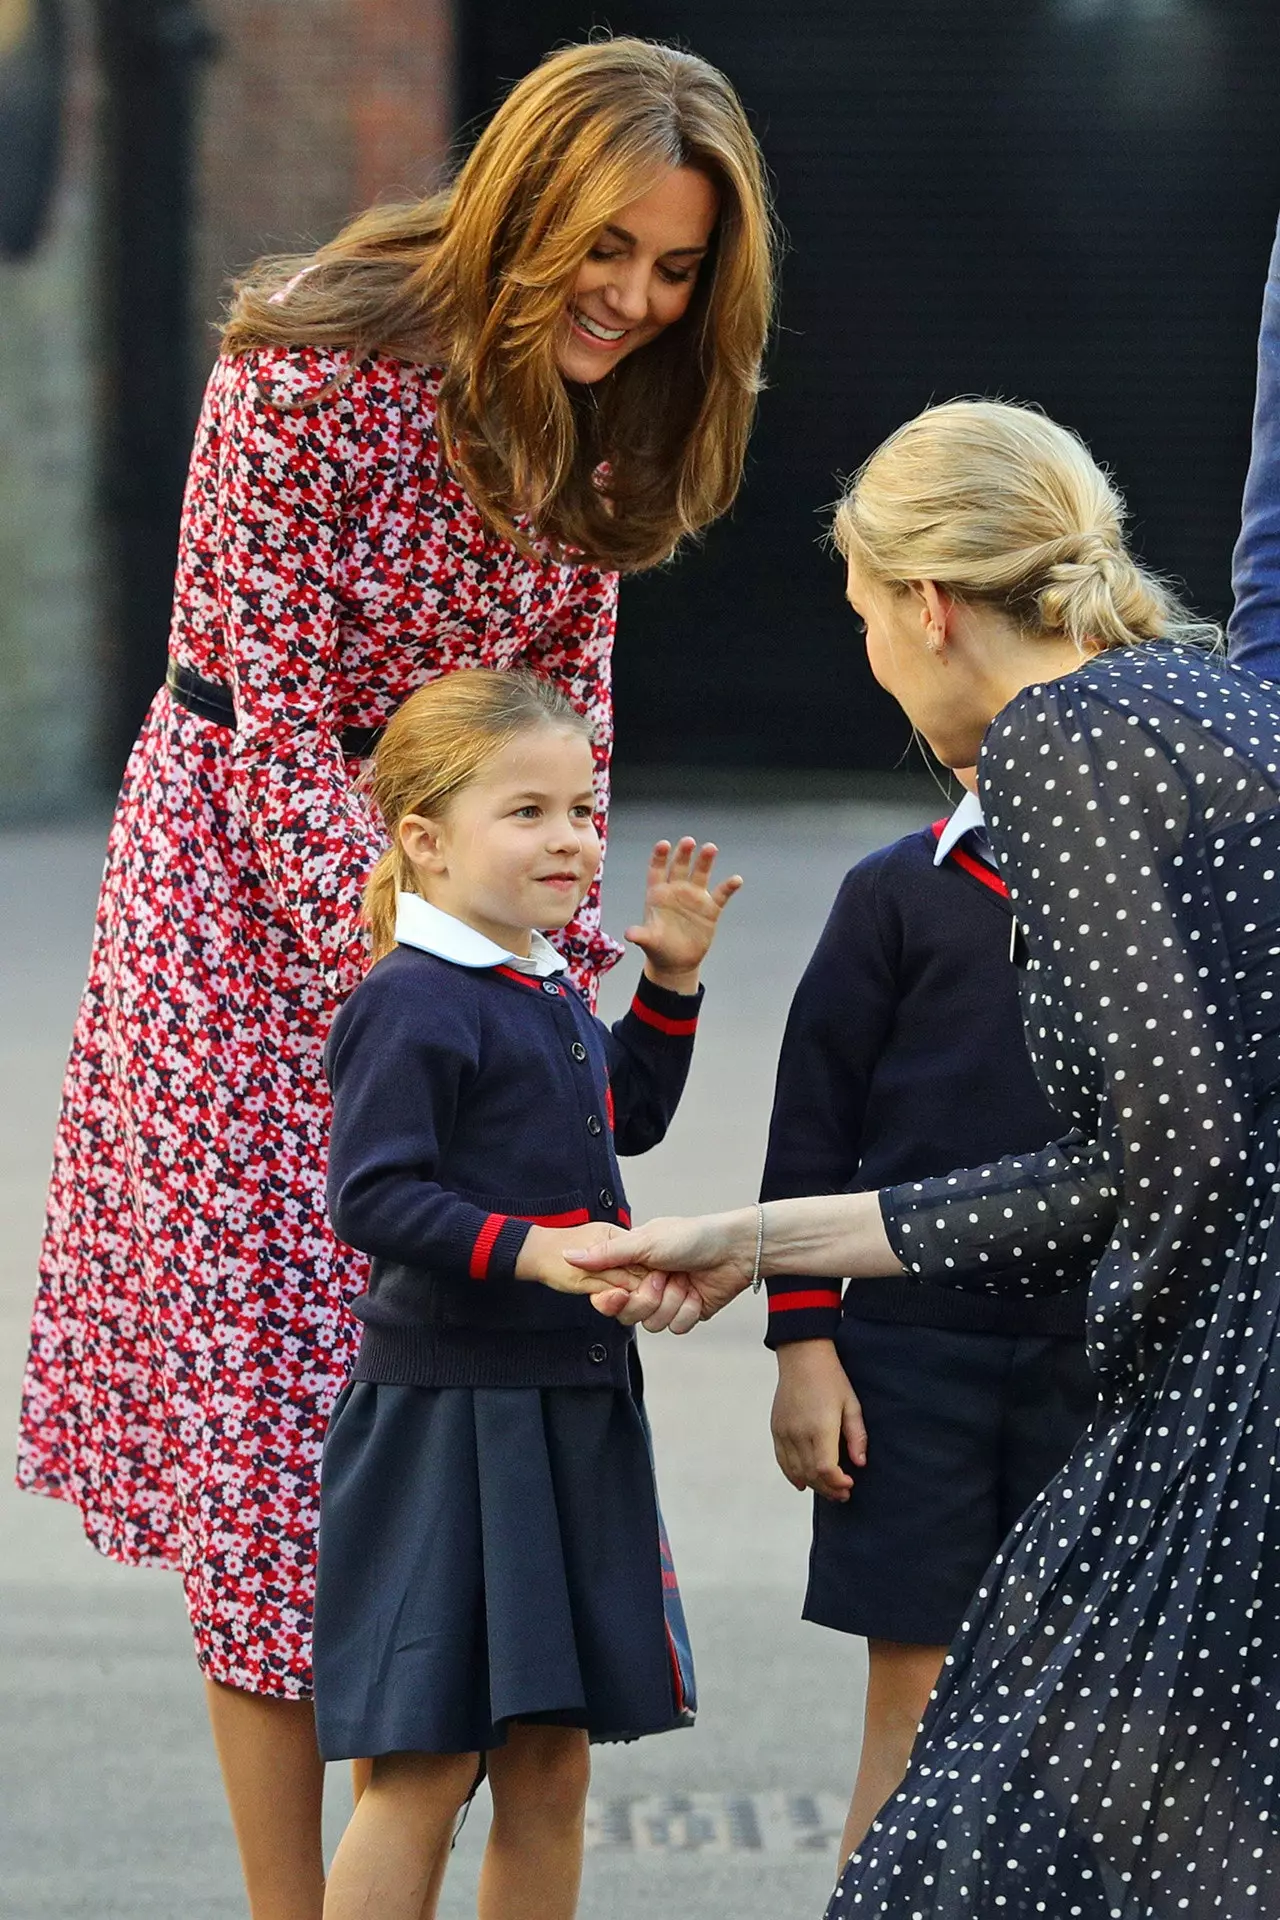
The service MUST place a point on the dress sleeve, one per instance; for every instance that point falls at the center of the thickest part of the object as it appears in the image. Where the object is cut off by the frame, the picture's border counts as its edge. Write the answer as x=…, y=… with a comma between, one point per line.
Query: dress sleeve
x=286, y=475
x=840, y=1018
x=575, y=652
x=1254, y=627
x=1091, y=810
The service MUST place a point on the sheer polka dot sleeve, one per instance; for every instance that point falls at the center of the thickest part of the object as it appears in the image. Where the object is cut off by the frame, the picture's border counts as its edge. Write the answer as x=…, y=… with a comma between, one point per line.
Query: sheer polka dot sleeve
x=1093, y=805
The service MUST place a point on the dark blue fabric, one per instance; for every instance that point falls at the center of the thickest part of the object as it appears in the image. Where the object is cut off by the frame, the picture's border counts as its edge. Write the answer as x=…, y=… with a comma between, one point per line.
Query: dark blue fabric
x=965, y=1429
x=1254, y=629
x=1103, y=1741
x=904, y=1055
x=487, y=1555
x=466, y=1102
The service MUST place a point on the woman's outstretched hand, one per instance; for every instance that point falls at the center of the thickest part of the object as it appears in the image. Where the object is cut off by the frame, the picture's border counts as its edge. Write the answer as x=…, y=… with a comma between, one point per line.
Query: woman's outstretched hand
x=673, y=1273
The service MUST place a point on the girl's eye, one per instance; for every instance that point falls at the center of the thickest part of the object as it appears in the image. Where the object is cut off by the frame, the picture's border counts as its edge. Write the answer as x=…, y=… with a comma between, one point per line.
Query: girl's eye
x=582, y=813
x=527, y=813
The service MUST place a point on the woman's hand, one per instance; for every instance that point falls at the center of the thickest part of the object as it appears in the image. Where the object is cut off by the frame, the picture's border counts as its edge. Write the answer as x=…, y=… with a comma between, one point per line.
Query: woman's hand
x=677, y=1272
x=814, y=1410
x=680, y=913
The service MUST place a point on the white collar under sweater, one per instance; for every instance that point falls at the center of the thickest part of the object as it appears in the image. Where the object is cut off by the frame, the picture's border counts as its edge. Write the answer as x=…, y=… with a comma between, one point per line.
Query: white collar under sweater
x=967, y=818
x=419, y=924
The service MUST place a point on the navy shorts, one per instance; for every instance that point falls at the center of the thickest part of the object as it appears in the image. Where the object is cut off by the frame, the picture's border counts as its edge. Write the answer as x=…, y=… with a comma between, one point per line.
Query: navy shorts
x=963, y=1431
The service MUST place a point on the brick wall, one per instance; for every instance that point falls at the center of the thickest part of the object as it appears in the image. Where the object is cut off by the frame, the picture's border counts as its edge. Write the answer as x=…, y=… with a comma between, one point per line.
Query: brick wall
x=310, y=112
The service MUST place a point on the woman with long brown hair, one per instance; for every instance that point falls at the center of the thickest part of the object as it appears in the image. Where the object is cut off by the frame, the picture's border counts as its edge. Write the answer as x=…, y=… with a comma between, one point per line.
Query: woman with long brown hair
x=434, y=443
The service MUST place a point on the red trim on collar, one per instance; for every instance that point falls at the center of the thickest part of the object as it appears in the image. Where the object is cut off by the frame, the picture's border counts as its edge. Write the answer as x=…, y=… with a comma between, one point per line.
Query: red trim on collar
x=534, y=980
x=978, y=868
x=980, y=871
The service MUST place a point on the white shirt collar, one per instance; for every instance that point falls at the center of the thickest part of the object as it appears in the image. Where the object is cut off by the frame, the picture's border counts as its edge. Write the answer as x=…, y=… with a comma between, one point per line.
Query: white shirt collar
x=966, y=817
x=432, y=930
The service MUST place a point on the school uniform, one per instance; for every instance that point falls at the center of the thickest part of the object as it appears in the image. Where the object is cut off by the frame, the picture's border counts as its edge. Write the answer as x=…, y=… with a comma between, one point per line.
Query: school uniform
x=904, y=1057
x=490, y=1542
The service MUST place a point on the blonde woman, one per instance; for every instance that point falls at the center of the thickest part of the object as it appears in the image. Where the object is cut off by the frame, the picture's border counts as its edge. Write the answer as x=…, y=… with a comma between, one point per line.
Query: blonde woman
x=1102, y=1743
x=433, y=444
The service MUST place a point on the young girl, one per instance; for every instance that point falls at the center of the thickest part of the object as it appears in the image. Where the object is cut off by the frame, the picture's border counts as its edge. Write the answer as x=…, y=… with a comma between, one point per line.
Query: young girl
x=490, y=1581
x=903, y=1056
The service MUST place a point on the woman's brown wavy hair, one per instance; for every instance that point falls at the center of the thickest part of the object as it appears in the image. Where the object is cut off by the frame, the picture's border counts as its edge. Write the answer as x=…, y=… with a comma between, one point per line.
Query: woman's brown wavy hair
x=476, y=279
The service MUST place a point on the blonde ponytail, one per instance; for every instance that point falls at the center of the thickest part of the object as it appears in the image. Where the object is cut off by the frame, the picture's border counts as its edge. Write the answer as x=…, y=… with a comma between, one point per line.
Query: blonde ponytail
x=433, y=746
x=999, y=504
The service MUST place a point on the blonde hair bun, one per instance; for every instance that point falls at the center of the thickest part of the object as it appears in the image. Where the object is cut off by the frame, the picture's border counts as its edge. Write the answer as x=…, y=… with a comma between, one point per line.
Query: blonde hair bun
x=999, y=504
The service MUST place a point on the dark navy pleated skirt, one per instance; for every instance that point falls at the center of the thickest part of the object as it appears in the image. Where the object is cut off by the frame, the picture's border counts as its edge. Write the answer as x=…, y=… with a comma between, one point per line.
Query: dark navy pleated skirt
x=489, y=1555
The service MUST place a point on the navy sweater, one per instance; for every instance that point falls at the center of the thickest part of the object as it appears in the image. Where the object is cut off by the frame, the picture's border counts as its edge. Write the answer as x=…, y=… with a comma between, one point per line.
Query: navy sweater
x=904, y=1057
x=469, y=1103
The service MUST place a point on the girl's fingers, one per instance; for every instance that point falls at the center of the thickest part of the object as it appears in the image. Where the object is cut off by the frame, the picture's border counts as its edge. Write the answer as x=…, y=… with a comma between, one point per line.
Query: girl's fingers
x=855, y=1434
x=723, y=893
x=658, y=860
x=700, y=868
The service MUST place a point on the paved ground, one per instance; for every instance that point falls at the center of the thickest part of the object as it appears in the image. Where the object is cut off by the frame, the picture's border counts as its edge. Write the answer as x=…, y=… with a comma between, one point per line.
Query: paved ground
x=110, y=1804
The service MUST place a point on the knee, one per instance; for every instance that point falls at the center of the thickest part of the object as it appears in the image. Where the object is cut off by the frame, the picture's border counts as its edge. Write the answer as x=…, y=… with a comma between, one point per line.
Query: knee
x=544, y=1771
x=437, y=1778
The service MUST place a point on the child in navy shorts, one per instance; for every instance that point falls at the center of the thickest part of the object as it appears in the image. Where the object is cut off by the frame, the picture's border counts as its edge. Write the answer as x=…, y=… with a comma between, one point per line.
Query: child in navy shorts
x=925, y=1418
x=491, y=1580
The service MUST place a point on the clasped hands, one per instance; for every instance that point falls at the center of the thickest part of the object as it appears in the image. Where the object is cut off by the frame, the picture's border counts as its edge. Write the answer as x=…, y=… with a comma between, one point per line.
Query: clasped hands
x=667, y=1275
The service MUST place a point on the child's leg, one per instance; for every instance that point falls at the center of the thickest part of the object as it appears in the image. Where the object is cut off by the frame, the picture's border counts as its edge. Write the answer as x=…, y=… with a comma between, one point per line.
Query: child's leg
x=274, y=1780
x=361, y=1774
x=533, y=1862
x=388, y=1858
x=899, y=1682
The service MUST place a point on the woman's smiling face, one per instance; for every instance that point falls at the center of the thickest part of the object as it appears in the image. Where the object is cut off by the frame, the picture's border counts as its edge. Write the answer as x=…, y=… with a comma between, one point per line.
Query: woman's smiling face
x=639, y=276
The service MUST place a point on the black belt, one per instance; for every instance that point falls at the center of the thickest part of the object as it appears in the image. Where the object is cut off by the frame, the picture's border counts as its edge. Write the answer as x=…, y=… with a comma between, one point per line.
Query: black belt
x=210, y=700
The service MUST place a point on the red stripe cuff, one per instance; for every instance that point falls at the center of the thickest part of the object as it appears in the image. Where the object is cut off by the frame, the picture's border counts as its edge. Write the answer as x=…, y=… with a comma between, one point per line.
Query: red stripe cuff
x=679, y=1029
x=483, y=1248
x=815, y=1297
x=577, y=1218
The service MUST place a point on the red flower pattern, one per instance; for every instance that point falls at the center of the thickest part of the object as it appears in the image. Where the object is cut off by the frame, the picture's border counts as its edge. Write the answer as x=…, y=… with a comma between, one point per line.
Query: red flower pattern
x=191, y=1328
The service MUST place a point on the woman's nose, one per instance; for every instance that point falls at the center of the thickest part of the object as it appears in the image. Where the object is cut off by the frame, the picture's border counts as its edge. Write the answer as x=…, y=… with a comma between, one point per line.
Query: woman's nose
x=628, y=293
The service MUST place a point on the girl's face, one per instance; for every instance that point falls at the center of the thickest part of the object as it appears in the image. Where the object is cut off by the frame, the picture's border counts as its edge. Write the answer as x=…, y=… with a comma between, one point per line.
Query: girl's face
x=639, y=276
x=518, y=847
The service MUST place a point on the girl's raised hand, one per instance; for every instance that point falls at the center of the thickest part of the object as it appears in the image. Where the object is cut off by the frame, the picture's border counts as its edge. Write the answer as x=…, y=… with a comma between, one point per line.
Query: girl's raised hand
x=680, y=912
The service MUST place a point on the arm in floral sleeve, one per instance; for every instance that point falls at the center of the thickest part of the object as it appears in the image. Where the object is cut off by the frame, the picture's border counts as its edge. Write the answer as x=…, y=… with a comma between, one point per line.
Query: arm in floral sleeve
x=286, y=476
x=575, y=652
x=1090, y=804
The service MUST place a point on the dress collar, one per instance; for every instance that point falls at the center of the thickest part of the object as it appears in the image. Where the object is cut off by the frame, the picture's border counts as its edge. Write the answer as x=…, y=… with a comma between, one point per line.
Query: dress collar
x=967, y=818
x=432, y=930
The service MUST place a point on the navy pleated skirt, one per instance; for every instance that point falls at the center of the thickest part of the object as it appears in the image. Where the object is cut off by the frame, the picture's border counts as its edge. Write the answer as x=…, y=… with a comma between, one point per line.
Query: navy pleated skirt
x=489, y=1555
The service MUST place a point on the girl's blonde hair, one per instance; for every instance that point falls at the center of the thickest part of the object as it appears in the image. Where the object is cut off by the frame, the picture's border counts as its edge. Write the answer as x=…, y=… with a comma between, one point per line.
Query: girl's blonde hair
x=434, y=746
x=998, y=504
x=477, y=279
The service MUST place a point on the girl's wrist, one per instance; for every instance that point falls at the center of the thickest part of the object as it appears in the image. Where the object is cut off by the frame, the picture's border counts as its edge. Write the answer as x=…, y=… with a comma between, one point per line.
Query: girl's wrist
x=684, y=980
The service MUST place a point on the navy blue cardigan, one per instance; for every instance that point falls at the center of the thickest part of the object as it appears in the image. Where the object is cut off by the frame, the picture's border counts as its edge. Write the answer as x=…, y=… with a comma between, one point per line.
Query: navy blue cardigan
x=904, y=1057
x=469, y=1103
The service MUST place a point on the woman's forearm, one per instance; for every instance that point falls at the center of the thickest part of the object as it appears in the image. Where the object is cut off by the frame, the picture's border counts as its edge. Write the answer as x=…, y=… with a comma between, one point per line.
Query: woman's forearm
x=840, y=1234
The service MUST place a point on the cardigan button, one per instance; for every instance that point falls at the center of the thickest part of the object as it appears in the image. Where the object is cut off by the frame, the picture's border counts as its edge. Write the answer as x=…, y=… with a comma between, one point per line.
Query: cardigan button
x=606, y=1197
x=594, y=1124
x=578, y=1051
x=549, y=986
x=598, y=1353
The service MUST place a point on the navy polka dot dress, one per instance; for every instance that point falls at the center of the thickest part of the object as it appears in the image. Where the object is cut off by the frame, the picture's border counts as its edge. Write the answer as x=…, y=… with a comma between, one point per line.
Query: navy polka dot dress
x=1105, y=1742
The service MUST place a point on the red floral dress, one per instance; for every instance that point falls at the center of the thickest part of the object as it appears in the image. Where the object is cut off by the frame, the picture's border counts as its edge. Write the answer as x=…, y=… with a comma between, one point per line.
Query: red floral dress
x=191, y=1329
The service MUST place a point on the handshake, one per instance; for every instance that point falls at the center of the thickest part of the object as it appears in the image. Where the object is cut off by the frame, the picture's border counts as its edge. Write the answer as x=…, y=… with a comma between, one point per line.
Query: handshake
x=666, y=1276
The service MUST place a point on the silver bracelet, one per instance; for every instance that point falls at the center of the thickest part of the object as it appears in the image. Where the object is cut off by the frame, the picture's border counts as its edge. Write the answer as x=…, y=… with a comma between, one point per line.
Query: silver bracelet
x=757, y=1278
